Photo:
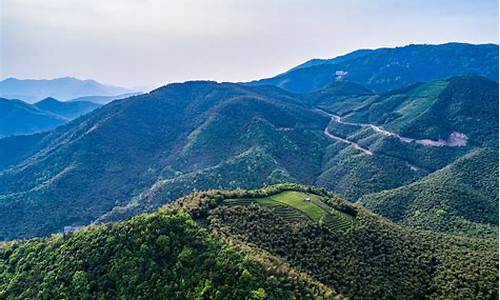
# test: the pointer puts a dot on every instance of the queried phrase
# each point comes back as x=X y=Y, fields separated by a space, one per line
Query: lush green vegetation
x=371 y=259
x=282 y=241
x=156 y=256
x=17 y=148
x=136 y=154
x=297 y=201
x=461 y=198
x=239 y=245
x=296 y=205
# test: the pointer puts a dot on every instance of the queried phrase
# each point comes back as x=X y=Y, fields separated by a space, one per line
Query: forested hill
x=391 y=68
x=180 y=137
x=156 y=256
x=18 y=117
x=256 y=244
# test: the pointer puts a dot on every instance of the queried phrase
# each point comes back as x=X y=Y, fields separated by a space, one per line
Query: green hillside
x=136 y=154
x=367 y=258
x=17 y=148
x=461 y=198
x=426 y=112
x=272 y=243
x=293 y=205
x=156 y=256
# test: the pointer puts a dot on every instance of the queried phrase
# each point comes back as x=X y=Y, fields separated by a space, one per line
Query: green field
x=292 y=206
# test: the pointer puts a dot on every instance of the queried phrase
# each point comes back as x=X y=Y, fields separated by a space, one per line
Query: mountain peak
x=48 y=100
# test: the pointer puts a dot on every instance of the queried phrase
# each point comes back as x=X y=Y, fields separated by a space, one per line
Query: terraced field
x=298 y=206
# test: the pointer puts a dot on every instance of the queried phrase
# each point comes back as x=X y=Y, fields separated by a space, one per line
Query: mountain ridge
x=387 y=69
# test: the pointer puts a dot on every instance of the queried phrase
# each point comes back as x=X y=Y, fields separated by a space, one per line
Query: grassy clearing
x=290 y=205
x=296 y=200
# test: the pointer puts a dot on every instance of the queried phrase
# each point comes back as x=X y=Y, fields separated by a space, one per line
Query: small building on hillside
x=70 y=229
x=307 y=199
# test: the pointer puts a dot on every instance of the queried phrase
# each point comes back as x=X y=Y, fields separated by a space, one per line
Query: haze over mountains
x=66 y=88
x=20 y=118
x=40 y=105
x=410 y=133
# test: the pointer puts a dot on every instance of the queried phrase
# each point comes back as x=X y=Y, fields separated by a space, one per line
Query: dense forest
x=373 y=258
x=157 y=256
x=229 y=245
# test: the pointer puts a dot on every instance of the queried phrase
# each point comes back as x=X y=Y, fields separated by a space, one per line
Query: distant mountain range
x=66 y=88
x=20 y=118
x=386 y=69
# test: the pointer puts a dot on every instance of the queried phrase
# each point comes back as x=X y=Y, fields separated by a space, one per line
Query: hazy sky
x=153 y=42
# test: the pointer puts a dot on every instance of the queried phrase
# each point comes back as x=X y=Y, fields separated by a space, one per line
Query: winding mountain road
x=456 y=139
x=338 y=138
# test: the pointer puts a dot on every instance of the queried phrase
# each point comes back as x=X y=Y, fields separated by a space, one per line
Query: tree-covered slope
x=409 y=133
x=156 y=256
x=461 y=198
x=391 y=68
x=193 y=133
x=20 y=118
x=280 y=242
x=18 y=148
x=434 y=110
x=348 y=248
x=136 y=154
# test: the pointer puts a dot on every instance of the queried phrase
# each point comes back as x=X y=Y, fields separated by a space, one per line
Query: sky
x=148 y=43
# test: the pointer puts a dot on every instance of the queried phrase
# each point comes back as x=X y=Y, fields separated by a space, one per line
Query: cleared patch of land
x=299 y=206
